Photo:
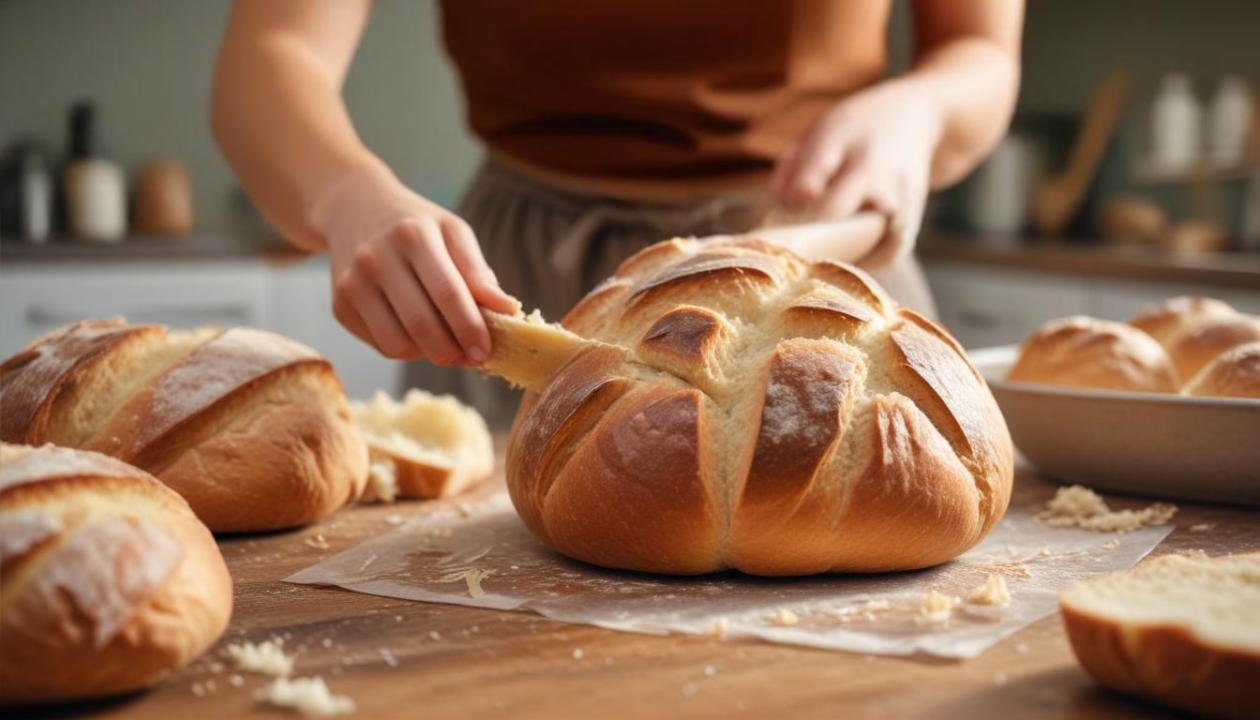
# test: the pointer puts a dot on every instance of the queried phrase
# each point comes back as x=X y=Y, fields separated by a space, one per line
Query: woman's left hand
x=872 y=150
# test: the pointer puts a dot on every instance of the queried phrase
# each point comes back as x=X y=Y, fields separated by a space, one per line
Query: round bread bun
x=1170 y=319
x=1180 y=630
x=110 y=581
x=1235 y=373
x=1194 y=349
x=749 y=409
x=1090 y=353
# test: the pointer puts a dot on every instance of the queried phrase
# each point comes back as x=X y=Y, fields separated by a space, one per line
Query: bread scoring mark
x=688 y=332
x=855 y=282
x=809 y=390
x=710 y=265
x=826 y=304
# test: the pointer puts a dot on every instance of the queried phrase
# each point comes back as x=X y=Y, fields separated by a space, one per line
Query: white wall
x=148 y=64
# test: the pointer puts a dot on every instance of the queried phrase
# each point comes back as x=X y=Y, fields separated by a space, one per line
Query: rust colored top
x=651 y=98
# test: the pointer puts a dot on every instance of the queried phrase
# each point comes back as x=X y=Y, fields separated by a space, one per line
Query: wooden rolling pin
x=527 y=350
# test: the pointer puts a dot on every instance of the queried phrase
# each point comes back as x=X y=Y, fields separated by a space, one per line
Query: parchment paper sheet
x=482 y=556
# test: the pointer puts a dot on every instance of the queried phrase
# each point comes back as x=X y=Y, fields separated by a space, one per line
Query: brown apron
x=549 y=246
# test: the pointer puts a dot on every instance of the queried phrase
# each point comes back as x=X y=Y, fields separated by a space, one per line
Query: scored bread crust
x=745 y=408
x=1167 y=661
x=1091 y=353
x=251 y=428
x=109 y=580
x=1172 y=318
x=1235 y=373
x=1195 y=348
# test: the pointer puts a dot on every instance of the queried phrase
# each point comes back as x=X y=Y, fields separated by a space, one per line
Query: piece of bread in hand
x=1178 y=629
x=253 y=429
x=109 y=580
x=1174 y=317
x=426 y=446
x=1090 y=353
x=1194 y=349
x=1235 y=373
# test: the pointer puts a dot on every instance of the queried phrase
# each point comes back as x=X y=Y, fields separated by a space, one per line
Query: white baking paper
x=482 y=556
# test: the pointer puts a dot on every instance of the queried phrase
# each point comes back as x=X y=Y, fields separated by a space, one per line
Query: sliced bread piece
x=1178 y=629
x=426 y=446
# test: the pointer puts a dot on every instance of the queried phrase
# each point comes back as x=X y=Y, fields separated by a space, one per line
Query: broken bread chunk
x=426 y=446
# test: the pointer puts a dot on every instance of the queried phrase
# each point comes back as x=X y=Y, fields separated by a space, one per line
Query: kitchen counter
x=1234 y=270
x=489 y=663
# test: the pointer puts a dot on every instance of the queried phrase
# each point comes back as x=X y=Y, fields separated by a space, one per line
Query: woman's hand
x=408 y=276
x=871 y=150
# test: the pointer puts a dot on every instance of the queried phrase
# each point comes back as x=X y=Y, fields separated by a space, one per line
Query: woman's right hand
x=408 y=276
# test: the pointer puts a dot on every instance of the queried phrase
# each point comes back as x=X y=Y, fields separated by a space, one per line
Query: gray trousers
x=550 y=246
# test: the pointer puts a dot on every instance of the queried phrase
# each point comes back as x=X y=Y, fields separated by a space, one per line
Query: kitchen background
x=1135 y=144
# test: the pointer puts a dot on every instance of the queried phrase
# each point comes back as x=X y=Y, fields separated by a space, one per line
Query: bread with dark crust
x=740 y=407
x=253 y=429
x=109 y=580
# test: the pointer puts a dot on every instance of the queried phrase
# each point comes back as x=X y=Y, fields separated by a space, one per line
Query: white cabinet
x=37 y=297
x=987 y=305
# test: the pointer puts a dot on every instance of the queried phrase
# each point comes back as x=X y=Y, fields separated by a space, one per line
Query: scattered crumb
x=394 y=519
x=388 y=657
x=215 y=667
x=211 y=686
x=1205 y=527
x=1021 y=648
x=1079 y=507
x=319 y=542
x=719 y=628
x=309 y=696
x=936 y=606
x=577 y=654
x=1111 y=545
x=235 y=680
x=785 y=617
x=327 y=642
x=710 y=671
x=435 y=635
x=992 y=592
x=398 y=618
x=198 y=689
x=690 y=689
x=266 y=658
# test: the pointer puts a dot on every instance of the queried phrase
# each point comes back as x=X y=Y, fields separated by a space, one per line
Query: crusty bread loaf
x=1173 y=317
x=251 y=428
x=744 y=408
x=1235 y=373
x=427 y=446
x=1195 y=348
x=109 y=580
x=1181 y=630
x=1090 y=353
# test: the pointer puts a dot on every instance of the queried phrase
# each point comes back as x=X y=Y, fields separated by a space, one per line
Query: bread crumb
x=309 y=696
x=1021 y=648
x=719 y=627
x=435 y=635
x=709 y=671
x=937 y=606
x=382 y=485
x=1205 y=527
x=215 y=667
x=198 y=689
x=1111 y=545
x=1079 y=507
x=992 y=592
x=577 y=654
x=235 y=680
x=327 y=642
x=388 y=657
x=785 y=617
x=265 y=658
x=319 y=542
x=394 y=519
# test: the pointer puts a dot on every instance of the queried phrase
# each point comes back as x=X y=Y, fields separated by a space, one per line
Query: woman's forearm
x=278 y=116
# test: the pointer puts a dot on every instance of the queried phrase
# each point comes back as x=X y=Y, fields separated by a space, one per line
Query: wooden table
x=503 y=664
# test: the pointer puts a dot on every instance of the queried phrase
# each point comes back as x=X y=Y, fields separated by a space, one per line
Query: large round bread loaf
x=756 y=411
x=253 y=429
x=109 y=580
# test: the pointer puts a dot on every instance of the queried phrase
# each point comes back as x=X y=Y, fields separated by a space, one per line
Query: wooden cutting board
x=493 y=664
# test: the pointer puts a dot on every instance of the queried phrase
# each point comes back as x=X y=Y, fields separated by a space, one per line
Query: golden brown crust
x=752 y=410
x=1090 y=353
x=1170 y=319
x=1235 y=374
x=1195 y=348
x=130 y=587
x=1167 y=663
x=253 y=429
